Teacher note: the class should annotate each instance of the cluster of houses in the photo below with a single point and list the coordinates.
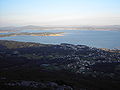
(80, 63)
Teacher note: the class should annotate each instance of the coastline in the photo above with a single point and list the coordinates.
(47, 35)
(33, 34)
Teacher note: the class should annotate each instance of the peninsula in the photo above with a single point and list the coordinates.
(32, 34)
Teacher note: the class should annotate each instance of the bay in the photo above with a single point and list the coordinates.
(92, 38)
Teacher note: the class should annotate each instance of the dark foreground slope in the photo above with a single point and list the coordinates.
(33, 66)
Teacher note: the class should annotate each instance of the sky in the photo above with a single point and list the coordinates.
(59, 12)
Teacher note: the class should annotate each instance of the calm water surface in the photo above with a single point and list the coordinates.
(99, 39)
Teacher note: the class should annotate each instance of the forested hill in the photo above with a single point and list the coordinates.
(58, 67)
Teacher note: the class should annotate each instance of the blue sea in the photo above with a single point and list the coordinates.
(92, 38)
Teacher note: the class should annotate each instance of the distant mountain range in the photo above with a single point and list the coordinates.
(70, 27)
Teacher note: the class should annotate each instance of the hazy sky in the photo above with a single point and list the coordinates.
(59, 12)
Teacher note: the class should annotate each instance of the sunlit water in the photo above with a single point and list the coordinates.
(99, 39)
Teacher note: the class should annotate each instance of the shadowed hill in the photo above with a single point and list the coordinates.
(72, 67)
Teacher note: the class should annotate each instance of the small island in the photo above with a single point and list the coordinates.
(33, 34)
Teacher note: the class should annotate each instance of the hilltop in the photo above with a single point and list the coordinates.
(53, 67)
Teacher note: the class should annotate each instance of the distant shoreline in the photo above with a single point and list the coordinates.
(33, 34)
(48, 35)
(69, 27)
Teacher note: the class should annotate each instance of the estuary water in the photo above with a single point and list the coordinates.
(92, 38)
